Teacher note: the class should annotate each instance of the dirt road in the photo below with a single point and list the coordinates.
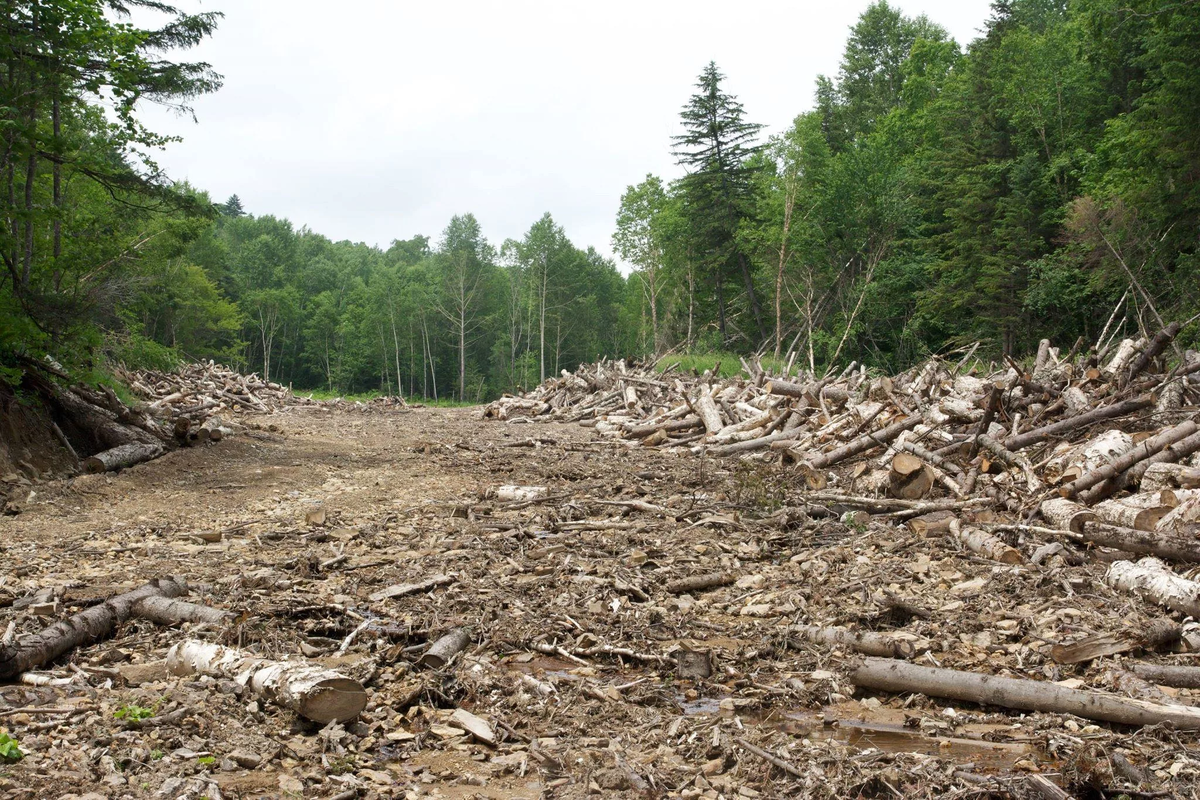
(590, 673)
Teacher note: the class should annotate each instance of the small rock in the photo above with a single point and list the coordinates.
(246, 758)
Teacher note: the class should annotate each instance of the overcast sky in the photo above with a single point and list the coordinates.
(373, 121)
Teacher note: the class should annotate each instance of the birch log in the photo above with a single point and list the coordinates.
(865, 642)
(1151, 446)
(123, 456)
(1153, 580)
(890, 675)
(985, 544)
(1140, 511)
(310, 690)
(1066, 515)
(706, 409)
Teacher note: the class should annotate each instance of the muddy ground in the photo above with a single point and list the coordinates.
(408, 495)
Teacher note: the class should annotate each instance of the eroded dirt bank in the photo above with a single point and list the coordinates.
(573, 660)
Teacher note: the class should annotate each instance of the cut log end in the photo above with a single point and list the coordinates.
(333, 700)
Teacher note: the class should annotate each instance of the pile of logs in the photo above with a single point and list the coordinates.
(1103, 444)
(186, 407)
(202, 390)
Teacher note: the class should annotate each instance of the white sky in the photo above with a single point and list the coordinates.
(372, 121)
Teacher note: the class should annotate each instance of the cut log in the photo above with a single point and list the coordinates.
(1152, 350)
(1165, 675)
(706, 409)
(875, 439)
(890, 675)
(865, 642)
(1184, 516)
(1132, 476)
(168, 611)
(1170, 476)
(985, 544)
(785, 389)
(999, 452)
(92, 624)
(1151, 446)
(1094, 454)
(700, 583)
(910, 478)
(521, 494)
(122, 456)
(1139, 511)
(312, 691)
(1153, 580)
(1154, 543)
(1066, 515)
(1160, 633)
(1045, 432)
(440, 652)
(929, 524)
(1127, 350)
(405, 589)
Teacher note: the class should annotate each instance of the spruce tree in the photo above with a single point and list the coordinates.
(715, 149)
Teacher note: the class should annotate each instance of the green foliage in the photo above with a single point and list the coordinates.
(10, 750)
(134, 712)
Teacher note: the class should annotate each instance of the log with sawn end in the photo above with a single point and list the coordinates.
(700, 583)
(890, 675)
(312, 691)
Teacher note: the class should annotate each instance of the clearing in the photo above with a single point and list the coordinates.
(594, 677)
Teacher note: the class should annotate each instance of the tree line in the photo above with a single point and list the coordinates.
(1023, 187)
(1029, 185)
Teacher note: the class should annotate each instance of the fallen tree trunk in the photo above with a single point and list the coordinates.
(865, 442)
(1156, 346)
(699, 583)
(1175, 548)
(1151, 579)
(1014, 443)
(312, 691)
(866, 642)
(1165, 675)
(890, 675)
(122, 456)
(1151, 446)
(1132, 476)
(87, 626)
(168, 611)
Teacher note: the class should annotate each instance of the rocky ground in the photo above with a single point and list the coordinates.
(593, 674)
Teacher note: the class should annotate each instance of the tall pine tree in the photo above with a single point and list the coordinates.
(715, 147)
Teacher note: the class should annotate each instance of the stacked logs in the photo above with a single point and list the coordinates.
(1111, 430)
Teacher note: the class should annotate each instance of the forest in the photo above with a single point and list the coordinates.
(1035, 182)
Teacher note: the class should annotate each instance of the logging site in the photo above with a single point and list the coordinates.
(848, 446)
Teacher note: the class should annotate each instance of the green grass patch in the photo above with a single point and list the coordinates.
(365, 397)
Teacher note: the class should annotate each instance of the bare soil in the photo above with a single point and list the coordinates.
(408, 495)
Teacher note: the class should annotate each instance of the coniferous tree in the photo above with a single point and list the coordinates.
(233, 207)
(715, 149)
